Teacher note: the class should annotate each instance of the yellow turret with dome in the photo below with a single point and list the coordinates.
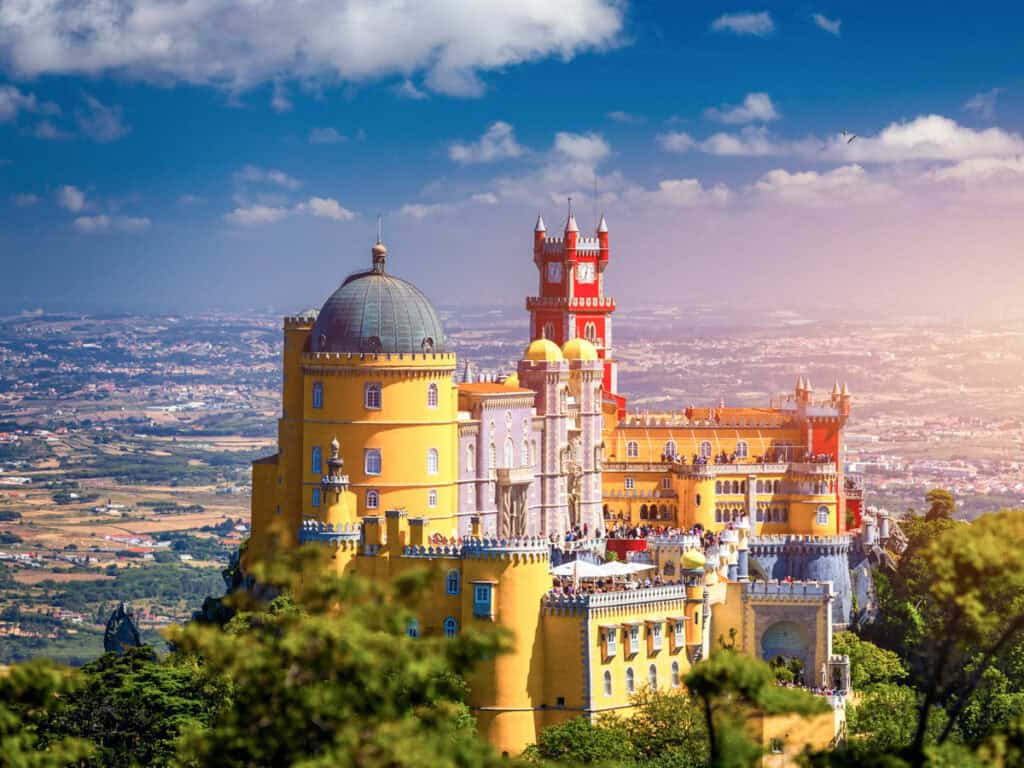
(543, 351)
(579, 349)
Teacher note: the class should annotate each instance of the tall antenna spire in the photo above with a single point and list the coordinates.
(380, 228)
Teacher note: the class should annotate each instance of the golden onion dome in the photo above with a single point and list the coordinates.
(511, 381)
(579, 349)
(543, 351)
(692, 560)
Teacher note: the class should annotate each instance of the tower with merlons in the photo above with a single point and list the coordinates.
(570, 302)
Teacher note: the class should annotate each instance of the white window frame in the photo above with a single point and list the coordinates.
(679, 633)
(611, 641)
(632, 449)
(373, 395)
(629, 483)
(373, 499)
(432, 498)
(368, 454)
(742, 449)
(432, 395)
(706, 449)
(433, 461)
(634, 640)
(656, 636)
(820, 518)
(674, 446)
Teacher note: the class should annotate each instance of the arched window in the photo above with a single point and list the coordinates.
(643, 511)
(705, 448)
(718, 486)
(670, 570)
(533, 453)
(670, 449)
(822, 518)
(316, 497)
(318, 394)
(524, 454)
(775, 486)
(742, 449)
(470, 457)
(432, 395)
(371, 461)
(412, 629)
(372, 395)
(492, 457)
(451, 627)
(632, 449)
(549, 331)
(372, 499)
(432, 498)
(452, 582)
(718, 515)
(743, 487)
(509, 453)
(630, 682)
(652, 677)
(590, 332)
(316, 460)
(432, 461)
(607, 682)
(675, 674)
(735, 486)
(759, 487)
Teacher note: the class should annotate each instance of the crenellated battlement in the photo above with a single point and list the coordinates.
(820, 590)
(495, 549)
(385, 357)
(316, 530)
(299, 322)
(633, 598)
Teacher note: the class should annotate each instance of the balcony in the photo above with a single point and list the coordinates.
(514, 476)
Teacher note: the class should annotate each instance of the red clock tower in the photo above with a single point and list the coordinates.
(571, 301)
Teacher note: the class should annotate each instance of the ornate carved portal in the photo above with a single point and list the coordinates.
(511, 502)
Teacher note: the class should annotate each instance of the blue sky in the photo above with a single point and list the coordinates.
(158, 155)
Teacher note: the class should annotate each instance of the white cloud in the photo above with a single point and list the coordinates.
(48, 131)
(979, 168)
(846, 185)
(421, 211)
(676, 141)
(92, 225)
(326, 136)
(829, 25)
(235, 45)
(256, 214)
(260, 213)
(189, 199)
(759, 24)
(253, 174)
(71, 198)
(326, 208)
(681, 193)
(25, 200)
(407, 90)
(485, 198)
(929, 137)
(983, 104)
(756, 107)
(582, 147)
(279, 100)
(625, 118)
(100, 122)
(497, 143)
(750, 142)
(13, 101)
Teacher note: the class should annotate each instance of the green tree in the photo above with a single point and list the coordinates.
(327, 676)
(582, 742)
(667, 729)
(134, 707)
(28, 695)
(730, 688)
(941, 504)
(869, 664)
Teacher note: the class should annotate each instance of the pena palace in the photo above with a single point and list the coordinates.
(619, 547)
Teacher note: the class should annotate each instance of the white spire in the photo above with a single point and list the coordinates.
(800, 383)
(835, 388)
(603, 226)
(540, 224)
(846, 390)
(570, 224)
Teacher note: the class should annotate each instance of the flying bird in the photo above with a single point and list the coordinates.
(848, 136)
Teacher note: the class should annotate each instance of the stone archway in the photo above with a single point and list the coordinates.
(790, 641)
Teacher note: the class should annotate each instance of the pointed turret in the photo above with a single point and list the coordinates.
(540, 224)
(570, 224)
(603, 226)
(602, 241)
(835, 388)
(845, 391)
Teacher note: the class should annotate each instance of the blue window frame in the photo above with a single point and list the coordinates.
(372, 463)
(452, 582)
(316, 464)
(316, 497)
(412, 629)
(483, 601)
(318, 395)
(451, 627)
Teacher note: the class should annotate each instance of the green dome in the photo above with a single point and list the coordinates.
(375, 312)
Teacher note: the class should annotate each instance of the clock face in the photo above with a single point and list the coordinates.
(585, 272)
(554, 272)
